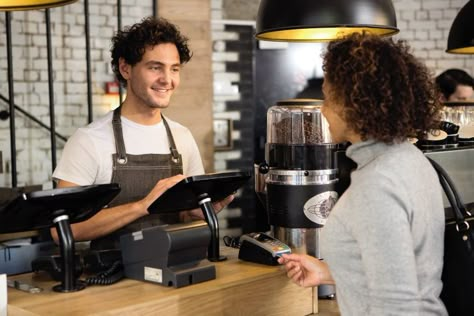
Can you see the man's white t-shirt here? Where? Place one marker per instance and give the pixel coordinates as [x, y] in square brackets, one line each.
[87, 155]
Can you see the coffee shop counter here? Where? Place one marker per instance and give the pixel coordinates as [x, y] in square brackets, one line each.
[240, 288]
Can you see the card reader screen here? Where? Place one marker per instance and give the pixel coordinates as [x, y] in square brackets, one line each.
[262, 237]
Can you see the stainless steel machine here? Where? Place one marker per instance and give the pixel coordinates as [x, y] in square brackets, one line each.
[459, 164]
[299, 181]
[456, 155]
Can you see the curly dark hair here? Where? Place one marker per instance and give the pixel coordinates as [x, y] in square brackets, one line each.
[130, 44]
[386, 93]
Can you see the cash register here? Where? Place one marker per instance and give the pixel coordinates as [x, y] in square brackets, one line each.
[172, 255]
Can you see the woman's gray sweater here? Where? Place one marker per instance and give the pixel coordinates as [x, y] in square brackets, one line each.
[383, 240]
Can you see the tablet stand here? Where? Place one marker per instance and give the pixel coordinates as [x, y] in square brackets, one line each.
[67, 249]
[58, 207]
[211, 219]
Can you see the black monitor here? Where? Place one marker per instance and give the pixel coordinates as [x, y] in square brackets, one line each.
[59, 208]
[38, 209]
[185, 194]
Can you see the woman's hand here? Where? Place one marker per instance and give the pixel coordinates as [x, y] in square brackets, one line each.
[306, 270]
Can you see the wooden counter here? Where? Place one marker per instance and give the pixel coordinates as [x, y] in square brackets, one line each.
[241, 288]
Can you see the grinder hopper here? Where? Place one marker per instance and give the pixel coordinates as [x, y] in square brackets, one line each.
[297, 183]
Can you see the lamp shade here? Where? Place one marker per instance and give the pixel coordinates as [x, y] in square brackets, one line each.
[323, 20]
[461, 34]
[19, 5]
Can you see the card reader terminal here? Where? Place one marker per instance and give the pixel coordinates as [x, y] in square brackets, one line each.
[261, 248]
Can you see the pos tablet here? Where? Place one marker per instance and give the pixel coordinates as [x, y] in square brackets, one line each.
[185, 194]
[38, 209]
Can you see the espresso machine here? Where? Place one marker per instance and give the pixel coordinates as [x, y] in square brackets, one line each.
[299, 182]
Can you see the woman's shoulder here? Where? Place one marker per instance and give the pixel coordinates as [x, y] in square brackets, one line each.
[395, 164]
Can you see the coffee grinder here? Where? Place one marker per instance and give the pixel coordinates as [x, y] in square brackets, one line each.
[298, 181]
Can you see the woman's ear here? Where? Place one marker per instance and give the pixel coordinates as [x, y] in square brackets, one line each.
[124, 68]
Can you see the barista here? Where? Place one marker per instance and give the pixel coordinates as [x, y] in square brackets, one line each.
[135, 145]
[455, 85]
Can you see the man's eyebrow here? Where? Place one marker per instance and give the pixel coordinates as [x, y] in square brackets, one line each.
[154, 62]
[159, 63]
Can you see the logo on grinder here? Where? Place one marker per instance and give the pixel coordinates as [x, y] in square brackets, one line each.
[317, 208]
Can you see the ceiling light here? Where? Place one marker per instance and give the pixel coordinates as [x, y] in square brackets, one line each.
[323, 20]
[461, 34]
[8, 5]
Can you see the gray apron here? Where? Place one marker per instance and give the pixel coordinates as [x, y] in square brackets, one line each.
[137, 175]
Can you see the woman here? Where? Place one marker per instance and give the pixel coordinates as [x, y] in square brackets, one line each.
[383, 241]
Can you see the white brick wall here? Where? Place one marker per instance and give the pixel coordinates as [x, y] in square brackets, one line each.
[425, 25]
[69, 64]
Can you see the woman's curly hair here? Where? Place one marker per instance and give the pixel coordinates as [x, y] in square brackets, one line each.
[130, 44]
[387, 94]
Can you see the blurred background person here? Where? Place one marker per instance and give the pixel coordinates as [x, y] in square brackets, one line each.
[455, 85]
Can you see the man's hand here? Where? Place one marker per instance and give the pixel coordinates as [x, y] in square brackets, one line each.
[218, 206]
[158, 190]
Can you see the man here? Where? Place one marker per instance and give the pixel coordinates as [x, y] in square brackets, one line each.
[455, 85]
[135, 145]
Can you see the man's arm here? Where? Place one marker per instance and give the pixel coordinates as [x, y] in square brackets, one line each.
[111, 219]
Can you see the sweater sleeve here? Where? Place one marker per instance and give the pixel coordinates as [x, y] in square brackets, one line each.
[383, 232]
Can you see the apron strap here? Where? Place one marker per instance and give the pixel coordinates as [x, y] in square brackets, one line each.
[173, 149]
[118, 135]
[120, 144]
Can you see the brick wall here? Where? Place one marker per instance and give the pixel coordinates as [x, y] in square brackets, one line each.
[234, 100]
[69, 63]
[424, 24]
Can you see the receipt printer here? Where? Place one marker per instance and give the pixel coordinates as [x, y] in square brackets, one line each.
[170, 255]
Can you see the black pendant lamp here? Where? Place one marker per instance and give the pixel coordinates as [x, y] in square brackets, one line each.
[20, 5]
[323, 20]
[461, 34]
